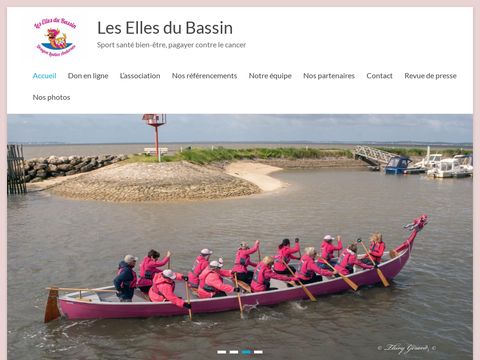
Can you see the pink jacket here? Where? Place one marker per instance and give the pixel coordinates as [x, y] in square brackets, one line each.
[308, 268]
[349, 258]
[328, 249]
[242, 260]
[149, 266]
[211, 282]
[376, 251]
[285, 253]
[163, 290]
[262, 276]
[200, 264]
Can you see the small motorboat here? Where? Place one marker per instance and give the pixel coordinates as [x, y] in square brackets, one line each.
[400, 165]
[430, 161]
[102, 303]
[449, 168]
[466, 162]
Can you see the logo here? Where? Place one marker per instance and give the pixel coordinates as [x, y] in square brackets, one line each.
[54, 32]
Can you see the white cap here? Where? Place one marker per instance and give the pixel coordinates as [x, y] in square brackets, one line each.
[129, 258]
[169, 274]
[206, 252]
[328, 237]
[215, 264]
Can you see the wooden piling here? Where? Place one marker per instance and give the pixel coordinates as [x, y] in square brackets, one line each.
[15, 173]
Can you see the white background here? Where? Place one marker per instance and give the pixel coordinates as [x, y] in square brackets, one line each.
[290, 40]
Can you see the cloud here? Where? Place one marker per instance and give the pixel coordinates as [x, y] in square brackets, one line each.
[236, 127]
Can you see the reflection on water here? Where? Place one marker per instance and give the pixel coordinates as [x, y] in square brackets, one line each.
[53, 241]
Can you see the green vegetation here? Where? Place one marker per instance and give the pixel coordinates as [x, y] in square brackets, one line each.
[423, 152]
[206, 156]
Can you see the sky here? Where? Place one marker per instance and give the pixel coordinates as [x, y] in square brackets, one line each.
[241, 128]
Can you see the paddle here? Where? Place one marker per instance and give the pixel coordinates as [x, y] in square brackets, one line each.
[347, 280]
[309, 294]
[238, 296]
[379, 272]
[188, 301]
[51, 309]
[244, 286]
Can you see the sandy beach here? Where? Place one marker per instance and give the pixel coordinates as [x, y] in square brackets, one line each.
[256, 173]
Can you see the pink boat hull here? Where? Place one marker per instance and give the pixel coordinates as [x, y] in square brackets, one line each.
[76, 309]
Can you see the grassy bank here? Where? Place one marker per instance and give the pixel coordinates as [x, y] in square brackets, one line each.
[423, 152]
[207, 156]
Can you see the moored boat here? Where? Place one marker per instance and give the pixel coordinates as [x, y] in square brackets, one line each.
[103, 303]
[449, 168]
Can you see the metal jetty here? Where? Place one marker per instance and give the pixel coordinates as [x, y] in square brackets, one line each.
[372, 156]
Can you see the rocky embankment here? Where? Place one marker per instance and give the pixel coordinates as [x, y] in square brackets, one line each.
[155, 182]
[40, 169]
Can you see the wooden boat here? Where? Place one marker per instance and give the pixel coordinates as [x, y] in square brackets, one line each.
[103, 303]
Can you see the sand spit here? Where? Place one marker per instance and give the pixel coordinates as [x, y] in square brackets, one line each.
[256, 173]
[133, 182]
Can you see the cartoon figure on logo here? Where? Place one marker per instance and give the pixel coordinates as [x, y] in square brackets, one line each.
[56, 42]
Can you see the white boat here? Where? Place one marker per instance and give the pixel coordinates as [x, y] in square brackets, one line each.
[448, 168]
[466, 162]
[430, 161]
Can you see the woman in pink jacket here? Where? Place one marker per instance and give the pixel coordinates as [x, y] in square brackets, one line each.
[242, 261]
[308, 272]
[211, 282]
[348, 259]
[149, 267]
[285, 253]
[263, 273]
[327, 250]
[200, 264]
[163, 288]
[377, 248]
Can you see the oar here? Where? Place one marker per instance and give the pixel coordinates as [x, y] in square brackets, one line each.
[80, 289]
[379, 272]
[188, 300]
[238, 296]
[309, 294]
[347, 280]
[259, 254]
[244, 286]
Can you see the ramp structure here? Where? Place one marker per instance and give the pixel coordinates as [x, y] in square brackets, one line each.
[372, 156]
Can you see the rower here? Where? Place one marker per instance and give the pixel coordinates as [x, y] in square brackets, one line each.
[328, 248]
[126, 279]
[308, 272]
[347, 259]
[149, 267]
[242, 261]
[285, 253]
[263, 273]
[211, 281]
[200, 264]
[377, 248]
[163, 288]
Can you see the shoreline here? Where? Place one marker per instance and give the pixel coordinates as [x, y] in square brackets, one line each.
[180, 181]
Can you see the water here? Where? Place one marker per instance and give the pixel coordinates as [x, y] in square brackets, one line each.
[54, 241]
